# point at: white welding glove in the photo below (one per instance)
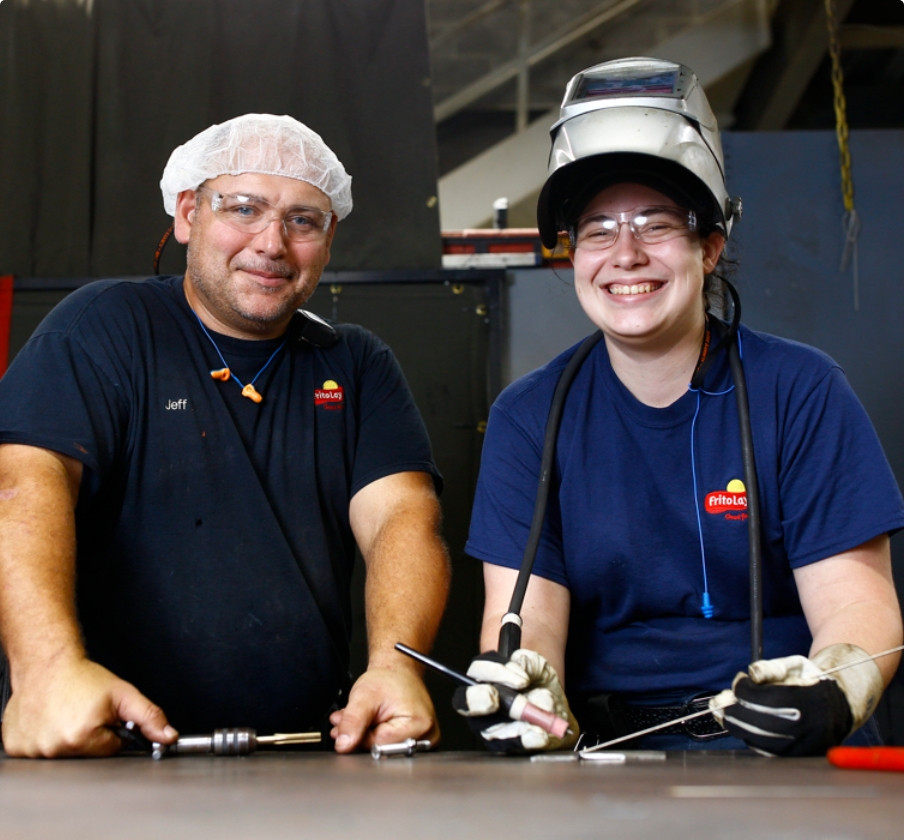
(788, 706)
(530, 675)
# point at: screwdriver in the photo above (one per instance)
(512, 702)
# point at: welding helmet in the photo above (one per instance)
(641, 120)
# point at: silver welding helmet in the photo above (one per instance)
(643, 120)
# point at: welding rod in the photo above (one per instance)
(513, 703)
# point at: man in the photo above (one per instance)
(186, 466)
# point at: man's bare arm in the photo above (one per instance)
(61, 703)
(38, 493)
(396, 521)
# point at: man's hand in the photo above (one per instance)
(788, 707)
(68, 709)
(385, 706)
(529, 673)
(397, 525)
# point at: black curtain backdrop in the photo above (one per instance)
(95, 94)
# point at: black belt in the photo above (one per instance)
(604, 717)
(702, 728)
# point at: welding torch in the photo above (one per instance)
(238, 740)
(511, 702)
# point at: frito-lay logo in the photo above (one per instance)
(330, 396)
(732, 501)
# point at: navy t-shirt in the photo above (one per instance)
(214, 548)
(648, 505)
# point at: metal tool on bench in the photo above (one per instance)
(408, 747)
(240, 740)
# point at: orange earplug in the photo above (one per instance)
(250, 392)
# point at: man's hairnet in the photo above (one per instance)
(261, 143)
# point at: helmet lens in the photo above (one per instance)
(629, 82)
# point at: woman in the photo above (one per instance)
(639, 599)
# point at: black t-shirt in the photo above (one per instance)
(214, 548)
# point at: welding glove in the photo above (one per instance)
(529, 674)
(789, 707)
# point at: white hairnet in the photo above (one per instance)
(261, 143)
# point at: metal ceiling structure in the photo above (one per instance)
(499, 69)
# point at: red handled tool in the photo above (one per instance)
(867, 758)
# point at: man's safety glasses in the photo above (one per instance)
(252, 215)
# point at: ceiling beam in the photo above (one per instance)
(550, 45)
(780, 77)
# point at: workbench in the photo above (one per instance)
(463, 795)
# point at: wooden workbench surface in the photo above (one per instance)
(444, 795)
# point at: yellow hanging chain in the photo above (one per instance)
(850, 220)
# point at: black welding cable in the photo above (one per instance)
(753, 506)
(751, 485)
(510, 632)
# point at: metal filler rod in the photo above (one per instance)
(693, 715)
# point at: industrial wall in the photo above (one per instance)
(95, 94)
